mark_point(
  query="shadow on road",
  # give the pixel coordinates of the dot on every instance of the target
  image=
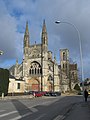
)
(21, 108)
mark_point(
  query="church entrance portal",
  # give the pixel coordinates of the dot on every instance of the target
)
(33, 85)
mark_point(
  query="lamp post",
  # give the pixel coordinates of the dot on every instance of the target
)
(1, 52)
(80, 47)
(41, 67)
(53, 76)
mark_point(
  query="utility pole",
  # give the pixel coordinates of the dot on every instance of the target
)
(53, 76)
(41, 67)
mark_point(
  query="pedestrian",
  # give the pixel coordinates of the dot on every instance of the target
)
(85, 95)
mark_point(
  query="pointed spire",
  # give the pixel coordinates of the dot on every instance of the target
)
(16, 62)
(26, 36)
(27, 31)
(44, 27)
(44, 37)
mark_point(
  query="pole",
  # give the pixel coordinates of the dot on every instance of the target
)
(53, 76)
(41, 67)
(80, 47)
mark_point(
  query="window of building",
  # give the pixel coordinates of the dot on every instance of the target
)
(66, 65)
(44, 40)
(64, 56)
(35, 69)
(18, 85)
(63, 66)
(50, 78)
(30, 71)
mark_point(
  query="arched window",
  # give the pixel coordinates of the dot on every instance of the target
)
(32, 71)
(35, 71)
(38, 71)
(35, 68)
(64, 56)
(63, 66)
(50, 78)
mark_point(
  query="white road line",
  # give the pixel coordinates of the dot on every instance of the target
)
(59, 117)
(33, 109)
(40, 117)
(3, 115)
(19, 117)
(16, 118)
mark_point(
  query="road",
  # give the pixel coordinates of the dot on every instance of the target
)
(44, 108)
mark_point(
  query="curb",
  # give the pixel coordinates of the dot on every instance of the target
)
(16, 97)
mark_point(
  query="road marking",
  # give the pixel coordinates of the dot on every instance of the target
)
(19, 117)
(3, 115)
(33, 109)
(40, 117)
(59, 117)
(16, 118)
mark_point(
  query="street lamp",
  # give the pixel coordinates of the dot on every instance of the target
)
(41, 67)
(80, 47)
(1, 52)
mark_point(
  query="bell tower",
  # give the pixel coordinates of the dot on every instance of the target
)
(64, 56)
(44, 37)
(26, 41)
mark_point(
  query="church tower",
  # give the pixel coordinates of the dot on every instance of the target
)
(64, 56)
(26, 41)
(44, 38)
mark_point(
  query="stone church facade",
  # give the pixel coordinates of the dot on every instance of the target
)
(38, 70)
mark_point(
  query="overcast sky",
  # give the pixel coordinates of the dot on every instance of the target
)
(15, 13)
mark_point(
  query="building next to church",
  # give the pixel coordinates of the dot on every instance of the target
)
(69, 69)
(39, 71)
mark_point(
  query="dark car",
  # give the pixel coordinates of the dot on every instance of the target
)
(47, 94)
(80, 93)
(53, 94)
(58, 93)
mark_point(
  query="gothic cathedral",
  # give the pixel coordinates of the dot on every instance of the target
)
(38, 69)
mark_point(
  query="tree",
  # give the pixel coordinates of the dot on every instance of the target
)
(4, 81)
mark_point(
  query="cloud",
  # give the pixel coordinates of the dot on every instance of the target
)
(13, 18)
(9, 38)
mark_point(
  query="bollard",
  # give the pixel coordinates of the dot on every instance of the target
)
(2, 95)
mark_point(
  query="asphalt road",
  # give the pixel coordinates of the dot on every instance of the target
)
(44, 108)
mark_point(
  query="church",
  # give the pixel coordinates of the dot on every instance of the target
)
(38, 71)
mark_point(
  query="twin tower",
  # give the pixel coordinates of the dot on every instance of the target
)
(64, 53)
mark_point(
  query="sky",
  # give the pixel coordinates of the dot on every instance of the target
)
(15, 13)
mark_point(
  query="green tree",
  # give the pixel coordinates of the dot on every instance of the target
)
(4, 81)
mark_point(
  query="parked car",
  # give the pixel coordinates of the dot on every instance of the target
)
(80, 93)
(47, 94)
(53, 94)
(58, 93)
(37, 94)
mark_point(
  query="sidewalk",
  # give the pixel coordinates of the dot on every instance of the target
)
(80, 111)
(16, 97)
